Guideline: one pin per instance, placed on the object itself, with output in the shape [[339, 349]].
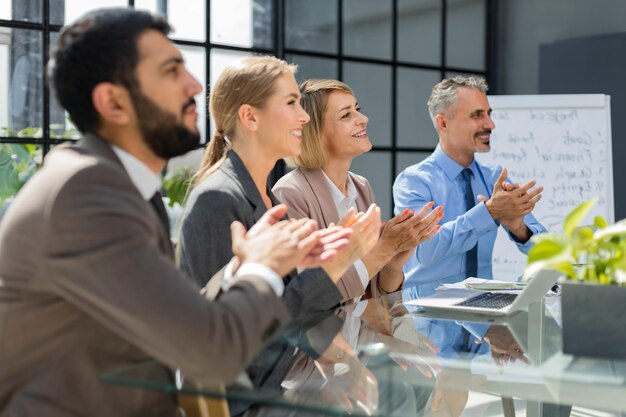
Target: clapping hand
[[365, 229], [282, 245], [509, 204]]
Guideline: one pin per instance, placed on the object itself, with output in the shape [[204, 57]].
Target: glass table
[[384, 357]]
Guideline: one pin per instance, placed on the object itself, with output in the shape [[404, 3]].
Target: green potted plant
[[593, 302]]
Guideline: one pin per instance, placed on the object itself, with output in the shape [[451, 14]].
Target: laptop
[[494, 303]]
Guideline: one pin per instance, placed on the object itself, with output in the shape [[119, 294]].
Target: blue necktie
[[471, 256]]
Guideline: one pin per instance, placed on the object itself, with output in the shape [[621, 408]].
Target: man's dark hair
[[99, 47]]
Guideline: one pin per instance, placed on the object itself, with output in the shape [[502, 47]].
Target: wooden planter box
[[594, 320]]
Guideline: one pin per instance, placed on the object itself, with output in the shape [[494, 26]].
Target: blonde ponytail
[[214, 155]]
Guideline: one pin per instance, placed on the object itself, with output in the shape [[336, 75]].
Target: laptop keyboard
[[489, 300]]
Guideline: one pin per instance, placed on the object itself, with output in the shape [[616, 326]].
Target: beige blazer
[[88, 284], [306, 193]]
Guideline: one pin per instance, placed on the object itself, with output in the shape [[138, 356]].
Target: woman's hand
[[407, 230], [399, 237], [365, 232]]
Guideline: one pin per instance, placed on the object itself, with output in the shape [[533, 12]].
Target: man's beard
[[166, 136]]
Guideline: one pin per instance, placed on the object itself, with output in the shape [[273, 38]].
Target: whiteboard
[[564, 143]]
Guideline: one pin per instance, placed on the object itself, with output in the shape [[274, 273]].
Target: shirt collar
[[146, 181], [338, 197], [450, 167]]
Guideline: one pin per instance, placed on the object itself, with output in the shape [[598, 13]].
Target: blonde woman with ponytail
[[255, 104]]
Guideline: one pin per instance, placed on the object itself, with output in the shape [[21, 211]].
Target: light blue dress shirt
[[438, 178]]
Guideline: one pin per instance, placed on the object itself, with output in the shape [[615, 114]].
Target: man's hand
[[405, 231], [509, 203], [504, 347]]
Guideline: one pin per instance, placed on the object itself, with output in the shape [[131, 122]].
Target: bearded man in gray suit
[[87, 278]]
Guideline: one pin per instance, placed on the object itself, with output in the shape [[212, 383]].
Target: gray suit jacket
[[88, 284]]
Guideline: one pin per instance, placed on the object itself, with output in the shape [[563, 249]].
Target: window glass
[[220, 59], [6, 10], [367, 28], [414, 127], [244, 23], [61, 126], [150, 5], [22, 10], [195, 61], [465, 38], [311, 25], [21, 84], [73, 9], [188, 19], [311, 67], [371, 84], [419, 31], [376, 167]]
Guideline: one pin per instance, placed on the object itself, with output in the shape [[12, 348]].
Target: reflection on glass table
[[385, 358]]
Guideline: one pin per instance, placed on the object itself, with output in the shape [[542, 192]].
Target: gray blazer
[[205, 247], [227, 195], [88, 284]]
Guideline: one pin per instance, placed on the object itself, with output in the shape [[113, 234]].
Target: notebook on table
[[496, 303]]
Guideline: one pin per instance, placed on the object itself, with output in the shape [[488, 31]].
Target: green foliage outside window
[[18, 162]]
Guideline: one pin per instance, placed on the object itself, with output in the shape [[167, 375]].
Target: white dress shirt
[[343, 204], [148, 183]]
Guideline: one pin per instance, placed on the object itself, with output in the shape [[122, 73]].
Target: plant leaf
[[577, 215], [545, 249], [599, 222], [617, 229]]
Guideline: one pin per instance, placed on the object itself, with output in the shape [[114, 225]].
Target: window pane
[[311, 25], [372, 87], [419, 31], [6, 10], [245, 23], [450, 74], [220, 59], [60, 124], [309, 67], [21, 10], [195, 61], [367, 28], [414, 127], [465, 42], [406, 159], [21, 83], [154, 6], [5, 50], [188, 19], [73, 9], [376, 167]]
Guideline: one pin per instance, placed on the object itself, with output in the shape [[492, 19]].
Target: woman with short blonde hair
[[323, 188]]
